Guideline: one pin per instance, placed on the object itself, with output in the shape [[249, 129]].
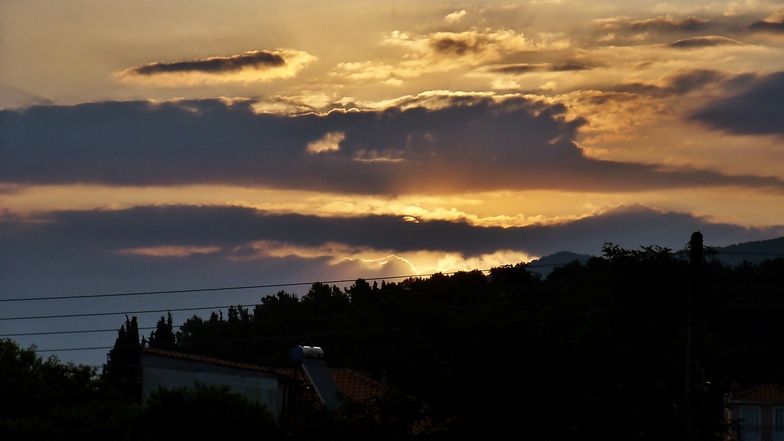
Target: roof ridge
[[204, 359], [761, 392]]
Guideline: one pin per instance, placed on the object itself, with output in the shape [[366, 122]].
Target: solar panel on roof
[[322, 381]]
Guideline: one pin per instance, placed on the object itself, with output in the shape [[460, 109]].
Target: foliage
[[602, 342], [49, 400], [123, 368], [192, 412], [391, 416], [594, 351], [163, 336]]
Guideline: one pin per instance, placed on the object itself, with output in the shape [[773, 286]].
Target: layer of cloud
[[757, 110], [243, 233], [246, 67], [158, 248], [153, 248], [439, 52], [662, 23], [431, 143], [683, 82], [254, 60], [773, 24], [700, 42], [523, 68]]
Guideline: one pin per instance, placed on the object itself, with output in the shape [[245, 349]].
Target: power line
[[246, 287], [181, 291], [225, 306], [84, 331], [397, 328], [219, 307], [333, 316], [290, 284], [108, 313]]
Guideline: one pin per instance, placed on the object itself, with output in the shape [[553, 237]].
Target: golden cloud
[[455, 16], [329, 143], [443, 51], [662, 23]]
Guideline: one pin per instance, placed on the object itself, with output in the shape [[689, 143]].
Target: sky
[[189, 145]]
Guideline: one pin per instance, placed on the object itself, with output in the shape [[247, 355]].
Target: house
[[170, 369], [756, 414], [282, 390]]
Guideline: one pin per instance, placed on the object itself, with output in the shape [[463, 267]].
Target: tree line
[[594, 350]]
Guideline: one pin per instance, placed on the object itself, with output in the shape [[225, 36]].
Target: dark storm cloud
[[699, 42], [465, 143], [213, 65], [232, 228], [757, 110]]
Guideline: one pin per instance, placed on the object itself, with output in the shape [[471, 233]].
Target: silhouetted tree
[[44, 399], [123, 363], [163, 336]]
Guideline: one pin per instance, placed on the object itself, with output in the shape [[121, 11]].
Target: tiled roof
[[763, 392], [353, 385], [199, 358]]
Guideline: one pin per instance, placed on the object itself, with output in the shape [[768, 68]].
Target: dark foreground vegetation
[[595, 351]]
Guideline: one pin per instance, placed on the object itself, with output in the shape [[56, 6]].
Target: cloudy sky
[[183, 145]]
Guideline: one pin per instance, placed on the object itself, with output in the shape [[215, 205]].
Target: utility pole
[[693, 343]]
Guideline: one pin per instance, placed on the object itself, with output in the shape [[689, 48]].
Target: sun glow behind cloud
[[384, 262], [481, 209], [172, 145]]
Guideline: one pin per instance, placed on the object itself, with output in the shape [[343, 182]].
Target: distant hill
[[752, 252], [545, 265]]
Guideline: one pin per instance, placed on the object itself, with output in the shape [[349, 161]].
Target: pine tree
[[163, 336], [123, 363]]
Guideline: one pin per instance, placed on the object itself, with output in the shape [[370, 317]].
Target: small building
[[170, 370], [283, 391], [756, 414]]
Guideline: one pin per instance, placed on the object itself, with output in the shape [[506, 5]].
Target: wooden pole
[[694, 316]]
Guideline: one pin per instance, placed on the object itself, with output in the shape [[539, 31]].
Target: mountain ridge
[[753, 252]]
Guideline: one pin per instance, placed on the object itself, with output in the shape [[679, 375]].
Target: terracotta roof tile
[[763, 392], [199, 358], [352, 384]]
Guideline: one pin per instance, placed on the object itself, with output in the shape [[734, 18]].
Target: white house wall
[[170, 373]]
